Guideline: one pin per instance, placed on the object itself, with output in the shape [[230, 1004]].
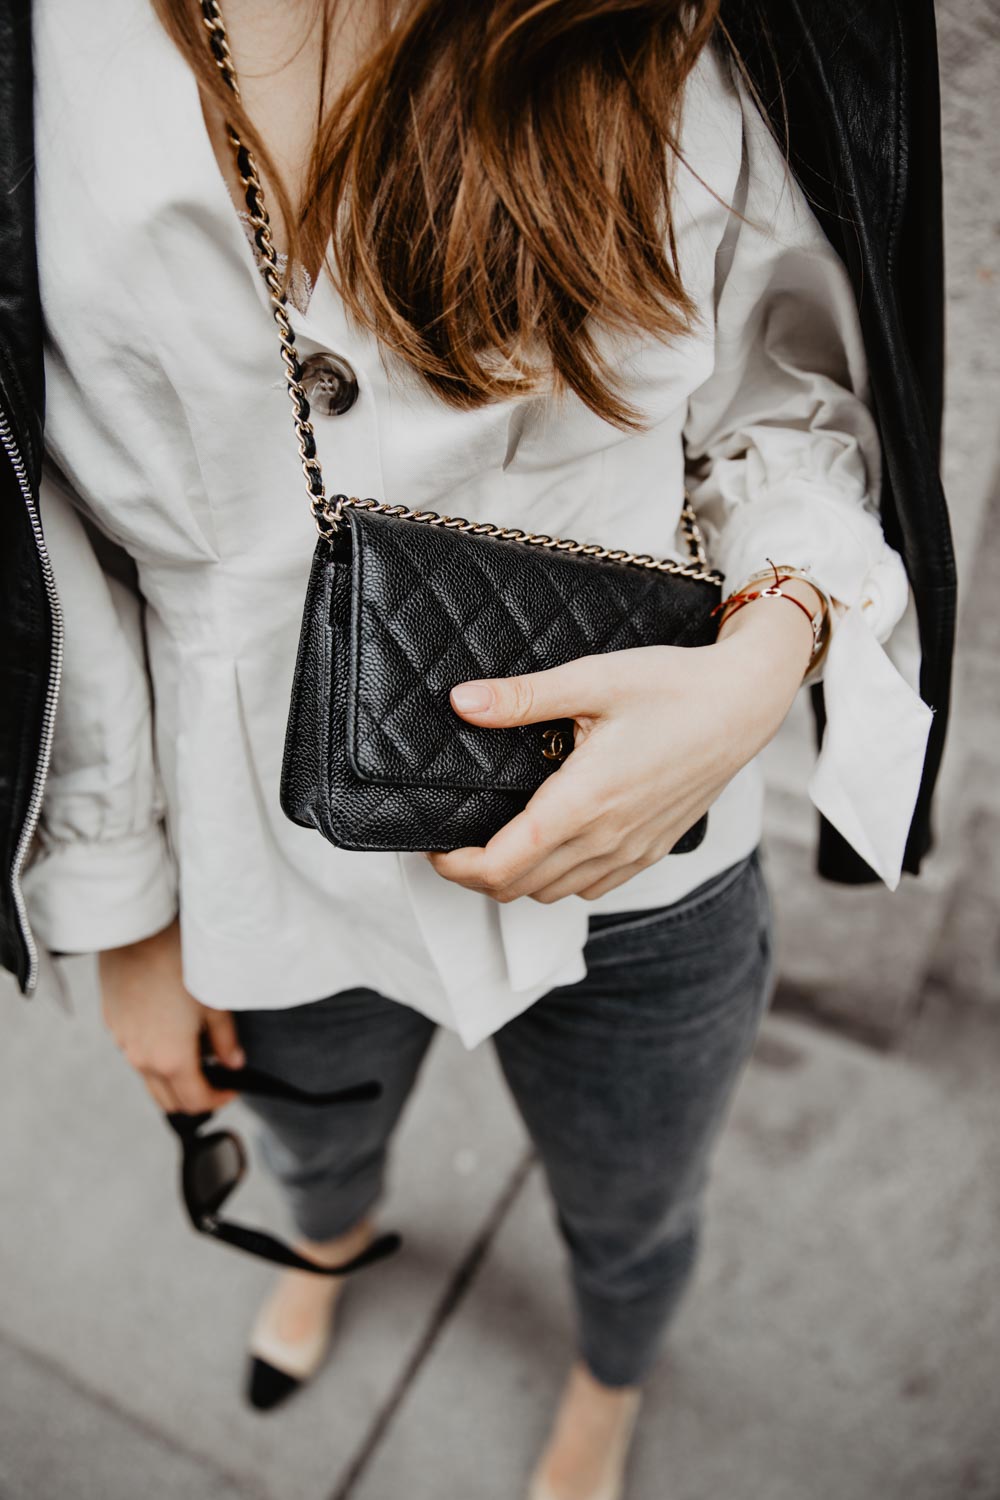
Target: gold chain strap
[[328, 512]]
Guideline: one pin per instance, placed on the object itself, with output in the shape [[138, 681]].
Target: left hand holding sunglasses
[[158, 1024], [214, 1163], [190, 1060]]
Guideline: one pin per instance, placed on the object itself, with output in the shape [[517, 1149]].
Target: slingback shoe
[[277, 1368], [611, 1485]]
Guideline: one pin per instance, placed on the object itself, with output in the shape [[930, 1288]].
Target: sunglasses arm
[[257, 1242], [249, 1080]]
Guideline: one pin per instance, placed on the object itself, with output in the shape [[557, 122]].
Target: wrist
[[781, 584], [778, 624]]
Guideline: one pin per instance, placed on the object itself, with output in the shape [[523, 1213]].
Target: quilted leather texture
[[375, 757]]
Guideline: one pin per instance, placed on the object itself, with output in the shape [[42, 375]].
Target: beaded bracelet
[[820, 621]]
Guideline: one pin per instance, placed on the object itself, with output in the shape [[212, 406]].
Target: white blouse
[[169, 429]]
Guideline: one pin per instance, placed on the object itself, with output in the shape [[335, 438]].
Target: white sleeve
[[784, 463], [101, 873]]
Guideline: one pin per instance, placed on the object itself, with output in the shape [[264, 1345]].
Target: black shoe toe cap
[[268, 1386]]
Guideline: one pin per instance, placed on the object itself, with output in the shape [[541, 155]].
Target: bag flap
[[432, 607]]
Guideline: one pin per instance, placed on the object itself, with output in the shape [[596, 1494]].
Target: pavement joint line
[[239, 1480], [447, 1304]]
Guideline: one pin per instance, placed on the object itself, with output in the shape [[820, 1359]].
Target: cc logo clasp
[[554, 744]]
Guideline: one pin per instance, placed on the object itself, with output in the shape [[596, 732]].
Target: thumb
[[579, 688], [221, 1030]]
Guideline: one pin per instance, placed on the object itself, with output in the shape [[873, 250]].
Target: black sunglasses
[[213, 1165]]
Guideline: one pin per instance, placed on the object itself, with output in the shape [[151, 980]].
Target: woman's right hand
[[157, 1023]]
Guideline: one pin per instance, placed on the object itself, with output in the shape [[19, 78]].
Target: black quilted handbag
[[402, 605]]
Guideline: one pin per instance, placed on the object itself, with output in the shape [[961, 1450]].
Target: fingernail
[[472, 697], [237, 1058]]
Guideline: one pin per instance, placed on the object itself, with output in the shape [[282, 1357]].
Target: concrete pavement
[[840, 1343]]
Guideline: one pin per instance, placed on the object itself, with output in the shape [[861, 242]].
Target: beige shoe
[[611, 1485], [277, 1367]]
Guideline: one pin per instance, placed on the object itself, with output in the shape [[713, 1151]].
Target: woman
[[575, 272]]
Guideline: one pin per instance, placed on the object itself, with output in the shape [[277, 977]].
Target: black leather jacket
[[859, 79]]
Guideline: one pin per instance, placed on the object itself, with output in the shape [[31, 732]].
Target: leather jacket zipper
[[30, 825]]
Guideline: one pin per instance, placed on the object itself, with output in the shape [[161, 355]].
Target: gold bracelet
[[821, 620]]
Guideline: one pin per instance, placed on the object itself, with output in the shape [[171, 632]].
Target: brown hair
[[498, 173]]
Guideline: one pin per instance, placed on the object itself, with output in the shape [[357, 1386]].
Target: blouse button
[[330, 384]]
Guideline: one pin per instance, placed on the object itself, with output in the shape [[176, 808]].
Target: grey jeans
[[623, 1081]]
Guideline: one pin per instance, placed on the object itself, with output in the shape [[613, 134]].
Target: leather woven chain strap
[[328, 510]]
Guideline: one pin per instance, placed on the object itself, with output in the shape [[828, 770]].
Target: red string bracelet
[[736, 600]]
